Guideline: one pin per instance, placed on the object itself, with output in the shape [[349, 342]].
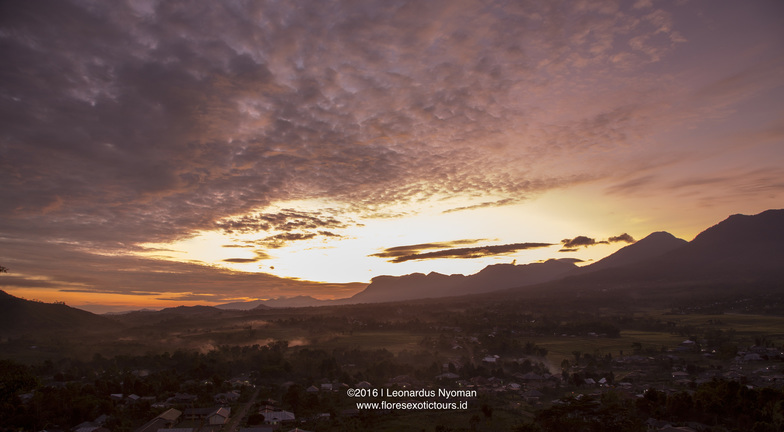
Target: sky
[[158, 153]]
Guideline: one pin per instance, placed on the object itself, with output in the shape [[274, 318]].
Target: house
[[226, 398], [197, 413], [312, 389], [447, 376], [171, 415], [165, 420], [530, 376], [326, 387], [240, 381], [364, 385], [219, 416], [182, 398], [275, 417], [89, 427]]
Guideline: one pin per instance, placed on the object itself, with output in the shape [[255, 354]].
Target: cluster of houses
[[754, 366], [213, 419], [201, 419]]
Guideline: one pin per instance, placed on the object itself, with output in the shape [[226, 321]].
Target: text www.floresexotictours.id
[[448, 399]]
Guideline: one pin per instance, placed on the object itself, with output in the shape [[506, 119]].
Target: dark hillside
[[652, 246], [20, 316]]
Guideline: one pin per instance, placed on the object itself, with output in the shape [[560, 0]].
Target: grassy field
[[560, 348], [394, 341], [745, 325]]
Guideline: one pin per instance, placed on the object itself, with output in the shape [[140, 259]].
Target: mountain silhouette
[[652, 246], [20, 316], [740, 249], [491, 278]]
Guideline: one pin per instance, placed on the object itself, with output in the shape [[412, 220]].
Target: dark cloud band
[[467, 253]]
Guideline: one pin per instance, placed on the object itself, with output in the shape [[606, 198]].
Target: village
[[263, 400]]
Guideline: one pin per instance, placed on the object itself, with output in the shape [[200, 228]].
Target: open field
[[745, 325], [562, 347], [393, 341]]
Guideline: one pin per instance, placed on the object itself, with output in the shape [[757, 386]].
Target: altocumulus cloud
[[129, 122], [156, 119]]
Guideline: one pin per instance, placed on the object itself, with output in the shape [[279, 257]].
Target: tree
[[3, 269], [487, 410]]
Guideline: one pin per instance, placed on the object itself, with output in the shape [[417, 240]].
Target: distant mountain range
[[283, 302], [740, 251], [491, 278], [740, 248]]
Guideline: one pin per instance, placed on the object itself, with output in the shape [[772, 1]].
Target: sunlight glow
[[348, 258]]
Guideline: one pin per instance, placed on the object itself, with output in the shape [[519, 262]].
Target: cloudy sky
[[155, 153]]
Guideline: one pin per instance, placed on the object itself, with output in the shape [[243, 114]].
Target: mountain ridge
[[739, 250], [653, 245], [20, 316], [491, 278]]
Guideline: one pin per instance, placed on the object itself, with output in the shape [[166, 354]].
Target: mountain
[[282, 302], [652, 246], [172, 314], [19, 316], [247, 305], [296, 301], [741, 249], [738, 252], [491, 278]]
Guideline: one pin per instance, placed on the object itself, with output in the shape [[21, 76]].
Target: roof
[[171, 414], [530, 376], [153, 425], [277, 416], [222, 411]]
